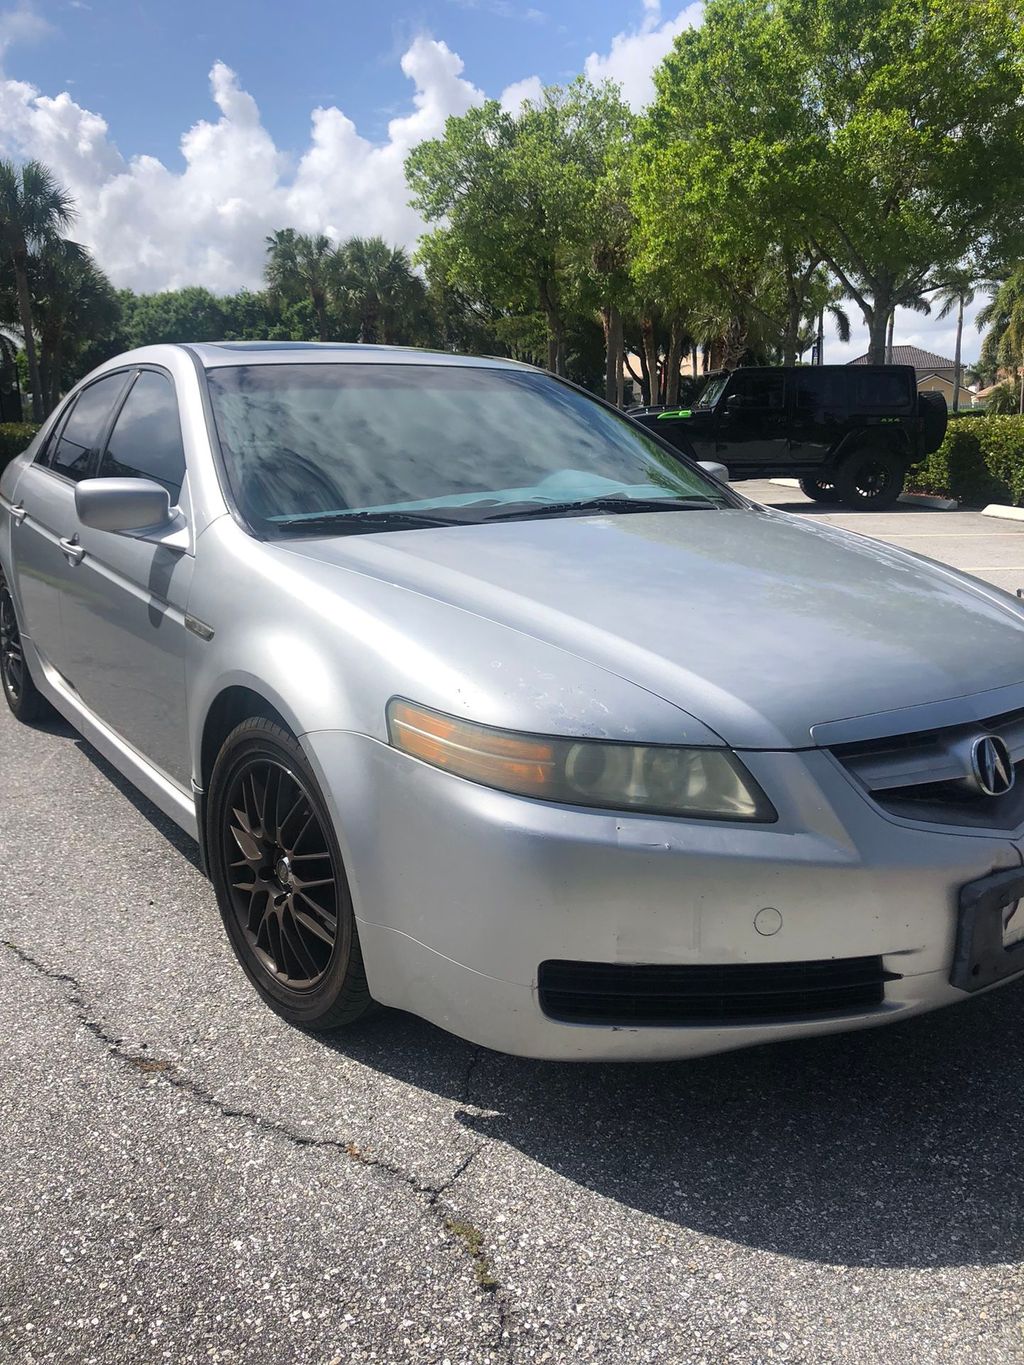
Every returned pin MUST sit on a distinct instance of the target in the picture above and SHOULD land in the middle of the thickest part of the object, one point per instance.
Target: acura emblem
(992, 766)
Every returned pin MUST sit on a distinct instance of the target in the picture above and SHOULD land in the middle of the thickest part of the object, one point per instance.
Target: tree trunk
(613, 353)
(650, 357)
(889, 335)
(956, 355)
(792, 338)
(877, 319)
(25, 315)
(645, 379)
(1021, 408)
(675, 355)
(56, 365)
(821, 338)
(694, 360)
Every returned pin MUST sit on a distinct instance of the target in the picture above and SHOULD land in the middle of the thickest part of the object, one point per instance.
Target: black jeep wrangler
(849, 433)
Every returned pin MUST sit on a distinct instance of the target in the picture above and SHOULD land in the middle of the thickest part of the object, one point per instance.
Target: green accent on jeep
(675, 412)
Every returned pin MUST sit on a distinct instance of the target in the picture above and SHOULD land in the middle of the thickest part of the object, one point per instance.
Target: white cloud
(515, 95)
(153, 227)
(22, 25)
(930, 332)
(634, 55)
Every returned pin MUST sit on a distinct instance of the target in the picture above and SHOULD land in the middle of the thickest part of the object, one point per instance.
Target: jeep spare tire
(934, 420)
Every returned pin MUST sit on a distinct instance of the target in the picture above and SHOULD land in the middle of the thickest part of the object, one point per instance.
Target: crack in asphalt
(458, 1233)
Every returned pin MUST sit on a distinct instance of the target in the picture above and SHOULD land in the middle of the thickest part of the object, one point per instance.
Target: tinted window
(817, 392)
(759, 388)
(146, 440)
(83, 430)
(302, 440)
(878, 389)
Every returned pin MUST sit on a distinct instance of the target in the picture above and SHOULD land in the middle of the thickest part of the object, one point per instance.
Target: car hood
(758, 623)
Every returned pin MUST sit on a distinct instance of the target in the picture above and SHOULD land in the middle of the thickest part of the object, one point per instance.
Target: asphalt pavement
(184, 1178)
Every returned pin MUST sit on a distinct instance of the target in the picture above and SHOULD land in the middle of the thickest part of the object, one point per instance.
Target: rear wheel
(23, 697)
(870, 480)
(277, 870)
(820, 490)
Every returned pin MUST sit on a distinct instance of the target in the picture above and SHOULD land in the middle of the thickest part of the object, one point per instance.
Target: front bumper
(462, 892)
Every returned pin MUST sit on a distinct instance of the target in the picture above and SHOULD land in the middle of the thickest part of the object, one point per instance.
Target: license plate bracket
(981, 957)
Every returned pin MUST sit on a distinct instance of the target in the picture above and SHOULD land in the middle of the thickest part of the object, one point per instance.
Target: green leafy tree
(1003, 316)
(34, 211)
(190, 314)
(516, 194)
(850, 133)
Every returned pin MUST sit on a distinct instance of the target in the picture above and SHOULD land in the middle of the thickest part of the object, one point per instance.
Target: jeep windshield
(712, 391)
(351, 447)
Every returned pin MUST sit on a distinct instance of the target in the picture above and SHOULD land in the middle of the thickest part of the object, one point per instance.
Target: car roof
(216, 354)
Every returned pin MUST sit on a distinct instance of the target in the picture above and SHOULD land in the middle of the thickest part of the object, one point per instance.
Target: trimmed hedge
(978, 462)
(14, 437)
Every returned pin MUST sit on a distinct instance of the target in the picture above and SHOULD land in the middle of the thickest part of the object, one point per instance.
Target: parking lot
(185, 1178)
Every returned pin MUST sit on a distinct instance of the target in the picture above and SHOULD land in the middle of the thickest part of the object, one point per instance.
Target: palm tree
(34, 211)
(958, 290)
(302, 266)
(377, 283)
(74, 304)
(1003, 316)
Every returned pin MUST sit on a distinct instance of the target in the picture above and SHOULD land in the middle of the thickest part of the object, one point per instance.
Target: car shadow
(890, 1147)
(895, 1147)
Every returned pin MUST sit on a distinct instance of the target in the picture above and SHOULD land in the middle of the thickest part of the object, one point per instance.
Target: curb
(999, 509)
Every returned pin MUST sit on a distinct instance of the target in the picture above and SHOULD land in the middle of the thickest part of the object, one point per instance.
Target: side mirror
(122, 504)
(716, 470)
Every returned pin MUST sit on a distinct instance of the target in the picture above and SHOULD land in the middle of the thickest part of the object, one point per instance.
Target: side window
(47, 448)
(146, 440)
(818, 392)
(764, 390)
(83, 430)
(878, 389)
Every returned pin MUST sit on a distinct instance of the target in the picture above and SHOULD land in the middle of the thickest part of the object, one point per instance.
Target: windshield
(362, 442)
(712, 391)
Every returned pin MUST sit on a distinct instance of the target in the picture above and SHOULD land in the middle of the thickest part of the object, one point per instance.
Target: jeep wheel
(870, 480)
(819, 490)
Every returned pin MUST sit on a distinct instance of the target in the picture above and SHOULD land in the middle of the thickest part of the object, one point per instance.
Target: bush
(14, 437)
(978, 462)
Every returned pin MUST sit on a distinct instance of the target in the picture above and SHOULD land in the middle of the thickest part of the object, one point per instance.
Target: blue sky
(188, 131)
(144, 65)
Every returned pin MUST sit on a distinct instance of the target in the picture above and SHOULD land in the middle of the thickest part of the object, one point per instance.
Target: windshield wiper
(341, 522)
(615, 502)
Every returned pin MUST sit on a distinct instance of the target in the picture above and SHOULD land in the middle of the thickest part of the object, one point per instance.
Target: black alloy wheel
(283, 895)
(23, 697)
(819, 490)
(870, 481)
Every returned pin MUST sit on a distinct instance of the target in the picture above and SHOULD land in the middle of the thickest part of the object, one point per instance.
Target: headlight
(659, 779)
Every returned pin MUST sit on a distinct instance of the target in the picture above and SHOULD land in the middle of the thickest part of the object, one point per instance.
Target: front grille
(744, 993)
(925, 776)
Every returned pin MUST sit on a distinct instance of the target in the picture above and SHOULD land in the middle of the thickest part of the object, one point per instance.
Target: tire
(819, 490)
(870, 480)
(277, 870)
(23, 697)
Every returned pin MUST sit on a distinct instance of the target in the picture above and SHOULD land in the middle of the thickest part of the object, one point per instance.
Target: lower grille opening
(743, 993)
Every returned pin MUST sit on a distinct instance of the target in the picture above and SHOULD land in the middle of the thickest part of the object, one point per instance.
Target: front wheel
(819, 490)
(276, 868)
(870, 480)
(23, 697)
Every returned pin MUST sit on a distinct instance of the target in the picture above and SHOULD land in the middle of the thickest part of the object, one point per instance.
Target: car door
(752, 428)
(818, 405)
(45, 539)
(124, 622)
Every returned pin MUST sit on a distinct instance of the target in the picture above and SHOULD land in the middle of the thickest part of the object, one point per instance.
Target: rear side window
(146, 440)
(878, 389)
(83, 430)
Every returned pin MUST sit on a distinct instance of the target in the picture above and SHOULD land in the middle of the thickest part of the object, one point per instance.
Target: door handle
(18, 514)
(72, 551)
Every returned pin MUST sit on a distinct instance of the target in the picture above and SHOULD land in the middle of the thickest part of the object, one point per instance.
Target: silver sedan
(484, 703)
